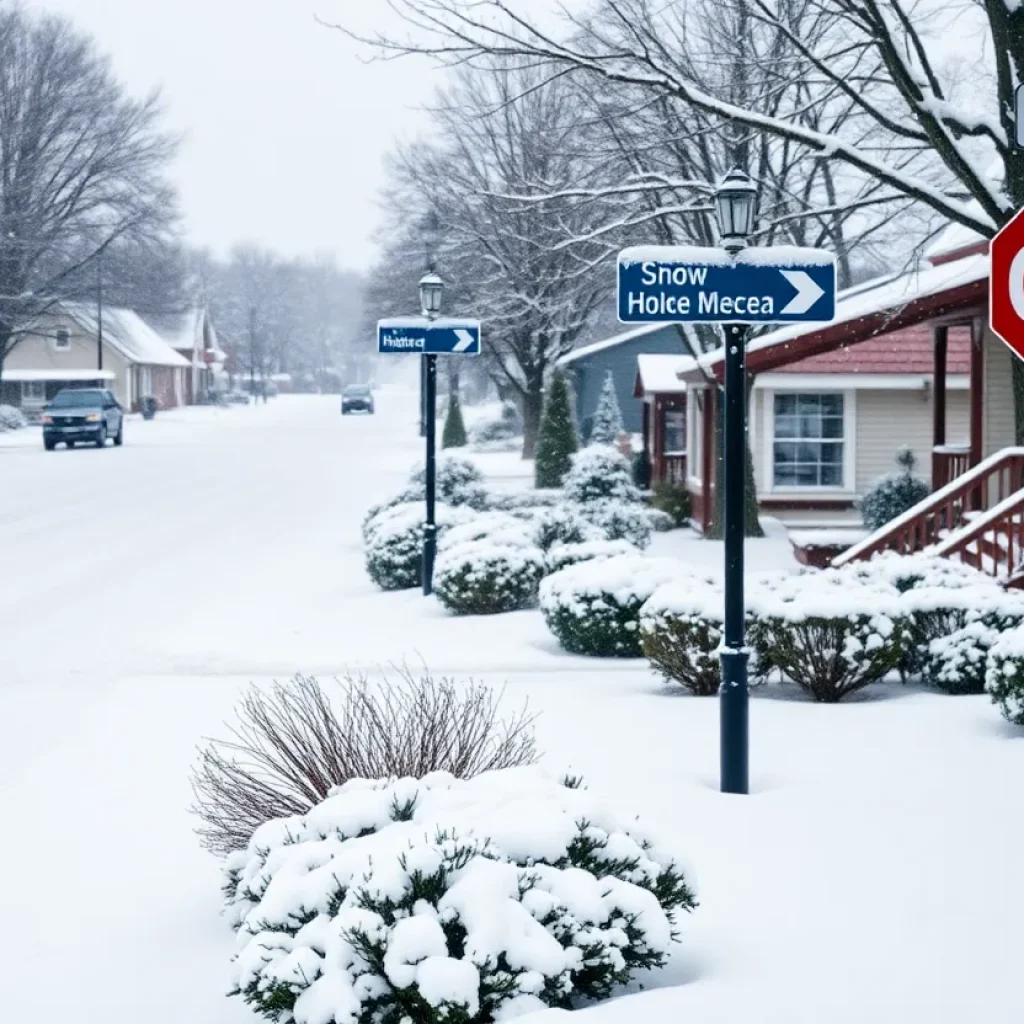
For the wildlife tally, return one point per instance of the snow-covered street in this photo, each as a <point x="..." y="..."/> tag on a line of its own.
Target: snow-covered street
<point x="872" y="875"/>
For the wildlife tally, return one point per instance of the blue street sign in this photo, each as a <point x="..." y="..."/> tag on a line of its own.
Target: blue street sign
<point x="413" y="334"/>
<point x="761" y="285"/>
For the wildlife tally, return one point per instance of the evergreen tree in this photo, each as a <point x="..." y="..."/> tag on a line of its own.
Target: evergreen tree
<point x="454" y="434"/>
<point x="607" y="425"/>
<point x="557" y="439"/>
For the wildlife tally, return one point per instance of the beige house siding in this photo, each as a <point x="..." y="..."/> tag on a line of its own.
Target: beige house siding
<point x="998" y="411"/>
<point x="38" y="351"/>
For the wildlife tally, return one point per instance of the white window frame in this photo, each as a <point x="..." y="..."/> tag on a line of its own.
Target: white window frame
<point x="682" y="452"/>
<point x="694" y="433"/>
<point x="848" y="486"/>
<point x="27" y="386"/>
<point x="62" y="332"/>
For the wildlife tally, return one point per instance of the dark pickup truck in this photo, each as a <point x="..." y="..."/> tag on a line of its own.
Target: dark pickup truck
<point x="356" y="397"/>
<point x="83" y="415"/>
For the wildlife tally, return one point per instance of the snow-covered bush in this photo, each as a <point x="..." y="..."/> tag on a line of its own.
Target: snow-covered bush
<point x="600" y="473"/>
<point x="606" y="425"/>
<point x="292" y="743"/>
<point x="394" y="549"/>
<point x="674" y="501"/>
<point x="1004" y="675"/>
<point x="907" y="572"/>
<point x="447" y="901"/>
<point x="561" y="556"/>
<point x="680" y="633"/>
<point x="505" y="426"/>
<point x="563" y="525"/>
<point x="496" y="527"/>
<point x="826" y="631"/>
<point x="485" y="578"/>
<point x="594" y="607"/>
<point x="11" y="418"/>
<point x="532" y="502"/>
<point x="661" y="522"/>
<point x="557" y="438"/>
<point x="620" y="520"/>
<point x="893" y="494"/>
<point x="458" y="481"/>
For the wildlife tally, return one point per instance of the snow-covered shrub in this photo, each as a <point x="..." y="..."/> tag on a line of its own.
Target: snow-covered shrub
<point x="620" y="520"/>
<point x="533" y="502"/>
<point x="827" y="632"/>
<point x="893" y="494"/>
<point x="1004" y="675"/>
<point x="485" y="578"/>
<point x="505" y="426"/>
<point x="674" y="500"/>
<point x="681" y="630"/>
<point x="458" y="481"/>
<point x="607" y="423"/>
<point x="496" y="527"/>
<point x="907" y="572"/>
<point x="561" y="556"/>
<point x="441" y="900"/>
<point x="594" y="607"/>
<point x="394" y="549"/>
<point x="454" y="433"/>
<point x="557" y="437"/>
<point x="292" y="743"/>
<point x="600" y="473"/>
<point x="12" y="418"/>
<point x="563" y="525"/>
<point x="661" y="522"/>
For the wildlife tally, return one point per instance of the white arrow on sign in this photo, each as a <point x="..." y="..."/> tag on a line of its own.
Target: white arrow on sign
<point x="808" y="291"/>
<point x="465" y="341"/>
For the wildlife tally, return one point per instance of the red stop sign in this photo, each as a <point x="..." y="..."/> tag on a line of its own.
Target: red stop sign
<point x="1006" y="284"/>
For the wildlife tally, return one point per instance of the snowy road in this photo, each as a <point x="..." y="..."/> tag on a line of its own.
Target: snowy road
<point x="873" y="875"/>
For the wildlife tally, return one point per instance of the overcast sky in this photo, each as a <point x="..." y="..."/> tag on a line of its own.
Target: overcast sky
<point x="285" y="128"/>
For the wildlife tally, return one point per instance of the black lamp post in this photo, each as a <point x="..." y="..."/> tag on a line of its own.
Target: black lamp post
<point x="735" y="209"/>
<point x="431" y="292"/>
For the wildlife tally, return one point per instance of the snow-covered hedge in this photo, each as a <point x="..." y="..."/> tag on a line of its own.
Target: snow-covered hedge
<point x="620" y="520"/>
<point x="561" y="556"/>
<point x="600" y="473"/>
<point x="563" y="525"/>
<point x="908" y="572"/>
<point x="680" y="633"/>
<point x="893" y="494"/>
<point x="594" y="607"/>
<point x="524" y="501"/>
<point x="828" y="632"/>
<point x="441" y="901"/>
<point x="496" y="527"/>
<point x="394" y="550"/>
<point x="1004" y="675"/>
<point x="11" y="418"/>
<point x="485" y="577"/>
<point x="458" y="481"/>
<point x="660" y="521"/>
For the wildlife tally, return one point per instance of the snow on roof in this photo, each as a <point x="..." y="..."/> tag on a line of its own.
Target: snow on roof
<point x="954" y="238"/>
<point x="598" y="346"/>
<point x="57" y="374"/>
<point x="127" y="332"/>
<point x="887" y="293"/>
<point x="659" y="372"/>
<point x="184" y="331"/>
<point x="754" y="256"/>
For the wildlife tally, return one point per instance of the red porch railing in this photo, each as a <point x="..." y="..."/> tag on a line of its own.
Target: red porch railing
<point x="993" y="542"/>
<point x="986" y="486"/>
<point x="949" y="461"/>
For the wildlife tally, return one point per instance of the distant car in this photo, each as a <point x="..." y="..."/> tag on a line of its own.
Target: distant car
<point x="356" y="397"/>
<point x="237" y="398"/>
<point x="83" y="415"/>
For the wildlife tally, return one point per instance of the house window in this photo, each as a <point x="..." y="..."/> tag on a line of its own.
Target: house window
<point x="33" y="391"/>
<point x="62" y="340"/>
<point x="808" y="444"/>
<point x="674" y="432"/>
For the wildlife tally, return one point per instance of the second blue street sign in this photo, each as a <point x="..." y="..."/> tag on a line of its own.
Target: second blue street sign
<point x="761" y="285"/>
<point x="408" y="334"/>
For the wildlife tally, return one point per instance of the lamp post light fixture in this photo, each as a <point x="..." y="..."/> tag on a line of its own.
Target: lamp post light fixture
<point x="735" y="210"/>
<point x="431" y="294"/>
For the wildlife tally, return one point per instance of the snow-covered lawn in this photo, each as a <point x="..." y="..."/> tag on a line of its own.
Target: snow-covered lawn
<point x="873" y="874"/>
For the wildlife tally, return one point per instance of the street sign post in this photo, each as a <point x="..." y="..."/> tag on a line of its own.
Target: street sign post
<point x="1018" y="115"/>
<point x="761" y="285"/>
<point x="412" y="334"/>
<point x="1006" y="284"/>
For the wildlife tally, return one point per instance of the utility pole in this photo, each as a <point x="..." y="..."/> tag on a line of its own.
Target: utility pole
<point x="99" y="311"/>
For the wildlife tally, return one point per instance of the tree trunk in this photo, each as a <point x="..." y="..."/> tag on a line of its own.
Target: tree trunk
<point x="1018" y="399"/>
<point x="533" y="404"/>
<point x="751" y="523"/>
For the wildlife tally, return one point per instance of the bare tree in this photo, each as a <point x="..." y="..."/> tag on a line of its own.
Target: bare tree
<point x="81" y="166"/>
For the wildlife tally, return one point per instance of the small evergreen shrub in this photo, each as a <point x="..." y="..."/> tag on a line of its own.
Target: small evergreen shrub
<point x="1004" y="675"/>
<point x="681" y="631"/>
<point x="532" y="502"/>
<point x="620" y="520"/>
<point x="496" y="527"/>
<point x="561" y="556"/>
<point x="600" y="473"/>
<point x="594" y="607"/>
<point x="641" y="470"/>
<point x="454" y="433"/>
<point x="661" y="522"/>
<point x="497" y="431"/>
<point x="557" y="438"/>
<point x="440" y="900"/>
<point x="562" y="525"/>
<point x="606" y="426"/>
<point x="485" y="578"/>
<point x="11" y="418"/>
<point x="825" y="632"/>
<point x="458" y="481"/>
<point x="674" y="500"/>
<point x="893" y="494"/>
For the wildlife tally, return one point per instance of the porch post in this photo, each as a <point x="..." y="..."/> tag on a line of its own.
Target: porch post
<point x="977" y="402"/>
<point x="647" y="442"/>
<point x="707" y="456"/>
<point x="658" y="472"/>
<point x="940" y="338"/>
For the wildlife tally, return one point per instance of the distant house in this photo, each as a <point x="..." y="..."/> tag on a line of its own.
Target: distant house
<point x="63" y="349"/>
<point x="588" y="366"/>
<point x="192" y="336"/>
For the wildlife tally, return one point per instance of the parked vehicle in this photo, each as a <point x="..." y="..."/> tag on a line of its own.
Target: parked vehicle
<point x="83" y="415"/>
<point x="356" y="397"/>
<point x="237" y="398"/>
